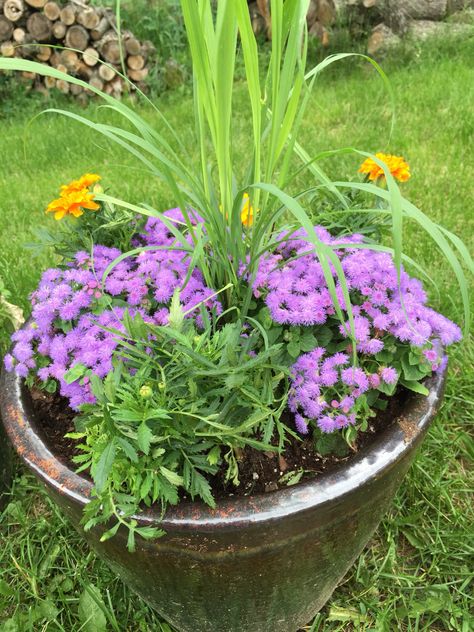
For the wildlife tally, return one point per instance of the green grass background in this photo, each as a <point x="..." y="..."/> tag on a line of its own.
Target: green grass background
<point x="416" y="572"/>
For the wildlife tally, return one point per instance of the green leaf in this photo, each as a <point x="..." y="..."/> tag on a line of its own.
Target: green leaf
<point x="331" y="443"/>
<point x="172" y="477"/>
<point x="235" y="380"/>
<point x="110" y="533"/>
<point x="336" y="613"/>
<point x="5" y="589"/>
<point x="293" y="349"/>
<point x="416" y="387"/>
<point x="75" y="373"/>
<point x="144" y="436"/>
<point x="176" y="316"/>
<point x="412" y="373"/>
<point x="91" y="610"/>
<point x="101" y="470"/>
<point x="387" y="389"/>
<point x="384" y="356"/>
<point x="308" y="341"/>
<point x="128" y="449"/>
<point x="131" y="540"/>
<point x="149" y="533"/>
<point x="47" y="610"/>
<point x="200" y="487"/>
<point x="324" y="336"/>
<point x="214" y="455"/>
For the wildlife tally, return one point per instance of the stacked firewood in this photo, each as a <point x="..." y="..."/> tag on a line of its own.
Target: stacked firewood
<point x="32" y="29"/>
<point x="321" y="14"/>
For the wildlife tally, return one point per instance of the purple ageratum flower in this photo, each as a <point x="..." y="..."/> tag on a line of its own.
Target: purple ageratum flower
<point x="341" y="421"/>
<point x="389" y="375"/>
<point x="374" y="380"/>
<point x="327" y="424"/>
<point x="145" y="281"/>
<point x="293" y="292"/>
<point x="23" y="351"/>
<point x="301" y="425"/>
<point x="9" y="362"/>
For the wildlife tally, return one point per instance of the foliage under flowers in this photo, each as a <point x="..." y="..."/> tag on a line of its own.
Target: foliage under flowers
<point x="75" y="318"/>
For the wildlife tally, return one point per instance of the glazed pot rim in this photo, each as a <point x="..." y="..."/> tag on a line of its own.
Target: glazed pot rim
<point x="387" y="448"/>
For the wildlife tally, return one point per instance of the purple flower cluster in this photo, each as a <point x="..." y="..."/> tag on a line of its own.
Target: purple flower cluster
<point x="72" y="311"/>
<point x="326" y="389"/>
<point x="292" y="284"/>
<point x="296" y="293"/>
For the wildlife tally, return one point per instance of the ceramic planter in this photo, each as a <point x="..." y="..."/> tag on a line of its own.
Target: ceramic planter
<point x="267" y="562"/>
<point x="6" y="468"/>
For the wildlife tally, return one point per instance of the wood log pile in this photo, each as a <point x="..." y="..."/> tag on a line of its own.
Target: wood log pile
<point x="321" y="15"/>
<point x="381" y="22"/>
<point x="31" y="29"/>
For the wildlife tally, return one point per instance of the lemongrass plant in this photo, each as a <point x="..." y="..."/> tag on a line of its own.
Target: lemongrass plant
<point x="233" y="308"/>
<point x="278" y="103"/>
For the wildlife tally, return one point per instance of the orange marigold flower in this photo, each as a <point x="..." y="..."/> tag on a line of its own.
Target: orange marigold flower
<point x="247" y="213"/>
<point x="73" y="203"/>
<point x="397" y="165"/>
<point x="84" y="182"/>
<point x="75" y="197"/>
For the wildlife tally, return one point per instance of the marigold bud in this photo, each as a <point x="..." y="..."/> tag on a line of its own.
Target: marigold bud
<point x="146" y="392"/>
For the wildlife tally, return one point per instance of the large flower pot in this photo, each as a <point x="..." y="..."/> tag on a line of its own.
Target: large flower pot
<point x="267" y="562"/>
<point x="6" y="468"/>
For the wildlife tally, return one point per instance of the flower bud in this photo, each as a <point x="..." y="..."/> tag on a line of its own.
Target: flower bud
<point x="146" y="392"/>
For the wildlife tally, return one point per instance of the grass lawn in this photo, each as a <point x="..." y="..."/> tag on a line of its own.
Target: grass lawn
<point x="415" y="573"/>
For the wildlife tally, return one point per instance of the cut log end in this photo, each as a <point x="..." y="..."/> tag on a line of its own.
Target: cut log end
<point x="7" y="49"/>
<point x="14" y="10"/>
<point x="52" y="10"/>
<point x="91" y="56"/>
<point x="107" y="73"/>
<point x="39" y="27"/>
<point x="36" y="4"/>
<point x="77" y="37"/>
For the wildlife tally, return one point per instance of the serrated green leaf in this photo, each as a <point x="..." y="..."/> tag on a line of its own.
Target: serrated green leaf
<point x="146" y="486"/>
<point x="144" y="436"/>
<point x="214" y="455"/>
<point x="331" y="443"/>
<point x="234" y="380"/>
<point x="149" y="533"/>
<point x="128" y="449"/>
<point x="101" y="470"/>
<point x="172" y="477"/>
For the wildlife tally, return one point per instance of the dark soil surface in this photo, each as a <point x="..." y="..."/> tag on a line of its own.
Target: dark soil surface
<point x="258" y="471"/>
<point x="54" y="419"/>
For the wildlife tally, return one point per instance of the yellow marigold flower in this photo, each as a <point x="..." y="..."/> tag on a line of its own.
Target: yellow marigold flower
<point x="397" y="165"/>
<point x="84" y="182"/>
<point x="73" y="203"/>
<point x="247" y="213"/>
